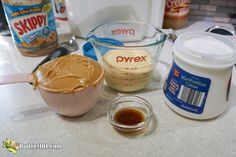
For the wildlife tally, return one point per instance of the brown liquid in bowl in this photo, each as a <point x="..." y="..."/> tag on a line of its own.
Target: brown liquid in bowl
<point x="129" y="116"/>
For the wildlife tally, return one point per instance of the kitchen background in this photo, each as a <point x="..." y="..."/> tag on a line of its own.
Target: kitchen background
<point x="223" y="11"/>
<point x="213" y="10"/>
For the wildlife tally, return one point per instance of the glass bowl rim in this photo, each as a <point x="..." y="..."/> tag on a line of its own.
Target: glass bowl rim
<point x="91" y="35"/>
<point x="141" y="101"/>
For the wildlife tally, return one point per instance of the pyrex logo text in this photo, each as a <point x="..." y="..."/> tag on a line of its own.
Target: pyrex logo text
<point x="123" y="31"/>
<point x="131" y="59"/>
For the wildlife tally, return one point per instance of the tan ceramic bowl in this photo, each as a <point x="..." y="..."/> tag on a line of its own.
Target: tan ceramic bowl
<point x="73" y="104"/>
<point x="76" y="103"/>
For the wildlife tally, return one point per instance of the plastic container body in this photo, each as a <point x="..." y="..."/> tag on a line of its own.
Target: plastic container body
<point x="198" y="84"/>
<point x="216" y="101"/>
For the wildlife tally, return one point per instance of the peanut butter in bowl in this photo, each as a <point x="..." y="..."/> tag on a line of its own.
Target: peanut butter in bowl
<point x="69" y="74"/>
<point x="71" y="85"/>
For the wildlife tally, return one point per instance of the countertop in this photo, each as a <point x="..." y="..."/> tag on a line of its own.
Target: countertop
<point x="25" y="118"/>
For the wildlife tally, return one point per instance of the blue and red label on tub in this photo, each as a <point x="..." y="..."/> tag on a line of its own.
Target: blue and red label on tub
<point x="185" y="90"/>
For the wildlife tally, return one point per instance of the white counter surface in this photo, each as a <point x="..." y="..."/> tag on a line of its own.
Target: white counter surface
<point x="25" y="117"/>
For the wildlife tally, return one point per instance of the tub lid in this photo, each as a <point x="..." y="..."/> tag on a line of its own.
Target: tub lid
<point x="205" y="49"/>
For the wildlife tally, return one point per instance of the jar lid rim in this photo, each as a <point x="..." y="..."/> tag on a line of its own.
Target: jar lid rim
<point x="205" y="48"/>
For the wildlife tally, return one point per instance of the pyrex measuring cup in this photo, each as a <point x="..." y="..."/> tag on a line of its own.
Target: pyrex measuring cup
<point x="129" y="53"/>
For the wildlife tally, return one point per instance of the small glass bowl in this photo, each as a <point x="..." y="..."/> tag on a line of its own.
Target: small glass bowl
<point x="129" y="101"/>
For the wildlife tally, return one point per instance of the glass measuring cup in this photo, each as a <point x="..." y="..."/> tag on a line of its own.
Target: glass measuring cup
<point x="128" y="52"/>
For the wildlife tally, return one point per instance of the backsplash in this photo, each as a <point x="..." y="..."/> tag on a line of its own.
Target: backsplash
<point x="213" y="10"/>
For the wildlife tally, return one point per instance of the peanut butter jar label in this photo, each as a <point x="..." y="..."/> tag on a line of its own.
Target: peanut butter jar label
<point x="32" y="23"/>
<point x="177" y="7"/>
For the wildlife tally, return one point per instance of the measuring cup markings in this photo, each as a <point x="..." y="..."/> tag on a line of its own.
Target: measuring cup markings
<point x="134" y="60"/>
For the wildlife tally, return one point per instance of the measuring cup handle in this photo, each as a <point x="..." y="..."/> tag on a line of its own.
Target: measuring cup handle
<point x="16" y="78"/>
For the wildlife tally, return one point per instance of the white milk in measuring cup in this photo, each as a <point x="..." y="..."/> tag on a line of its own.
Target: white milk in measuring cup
<point x="198" y="84"/>
<point x="128" y="70"/>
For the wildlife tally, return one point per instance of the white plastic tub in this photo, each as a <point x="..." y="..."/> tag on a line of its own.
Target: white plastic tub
<point x="198" y="84"/>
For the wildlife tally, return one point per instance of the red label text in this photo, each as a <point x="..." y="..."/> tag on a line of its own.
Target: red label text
<point x="30" y="23"/>
<point x="130" y="59"/>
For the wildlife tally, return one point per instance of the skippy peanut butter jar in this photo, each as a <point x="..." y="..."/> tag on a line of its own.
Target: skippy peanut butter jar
<point x="128" y="51"/>
<point x="32" y="25"/>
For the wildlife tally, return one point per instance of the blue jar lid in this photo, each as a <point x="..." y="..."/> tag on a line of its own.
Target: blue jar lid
<point x="88" y="49"/>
